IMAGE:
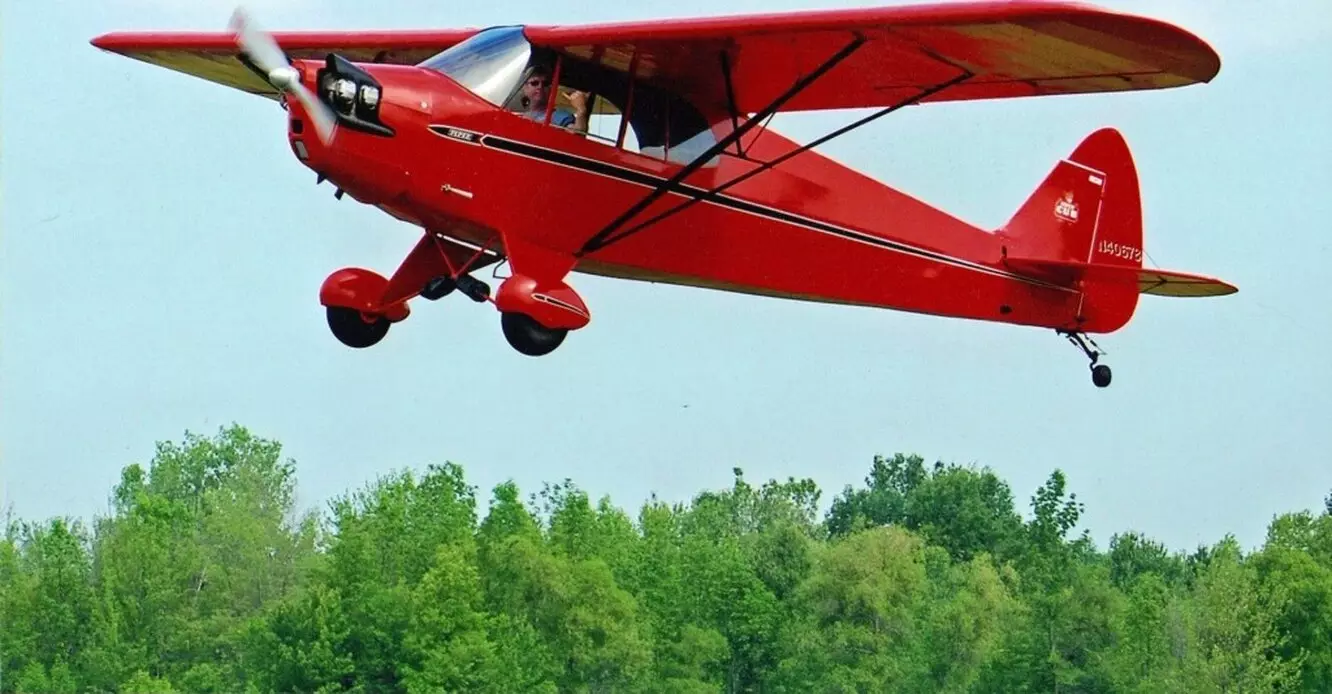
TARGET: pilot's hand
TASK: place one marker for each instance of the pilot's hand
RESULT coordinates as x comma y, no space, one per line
578,100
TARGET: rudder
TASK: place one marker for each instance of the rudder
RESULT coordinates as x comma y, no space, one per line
1087,210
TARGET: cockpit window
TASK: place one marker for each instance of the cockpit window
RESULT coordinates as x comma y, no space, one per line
490,63
496,63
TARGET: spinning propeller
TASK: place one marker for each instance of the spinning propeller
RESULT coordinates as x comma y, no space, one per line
263,51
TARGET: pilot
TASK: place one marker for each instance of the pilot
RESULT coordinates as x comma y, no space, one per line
536,95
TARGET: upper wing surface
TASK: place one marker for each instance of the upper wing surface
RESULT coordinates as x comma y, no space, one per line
1014,48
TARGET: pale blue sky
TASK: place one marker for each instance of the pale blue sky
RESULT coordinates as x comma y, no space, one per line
178,290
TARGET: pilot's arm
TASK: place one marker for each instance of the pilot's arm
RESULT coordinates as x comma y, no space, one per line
578,100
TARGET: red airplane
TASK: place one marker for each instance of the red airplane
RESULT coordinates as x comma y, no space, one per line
653,162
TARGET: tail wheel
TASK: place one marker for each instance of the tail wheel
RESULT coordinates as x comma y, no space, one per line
355,328
528,336
1100,372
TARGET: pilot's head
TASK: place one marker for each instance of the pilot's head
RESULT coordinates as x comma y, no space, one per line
536,90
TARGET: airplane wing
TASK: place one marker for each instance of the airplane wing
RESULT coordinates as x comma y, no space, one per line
213,56
1013,48
1149,280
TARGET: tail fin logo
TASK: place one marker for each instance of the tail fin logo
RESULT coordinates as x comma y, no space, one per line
1066,209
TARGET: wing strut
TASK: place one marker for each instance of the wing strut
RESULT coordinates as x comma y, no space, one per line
599,240
709,194
730,99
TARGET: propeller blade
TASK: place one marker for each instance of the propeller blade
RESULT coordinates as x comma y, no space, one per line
257,45
265,53
325,123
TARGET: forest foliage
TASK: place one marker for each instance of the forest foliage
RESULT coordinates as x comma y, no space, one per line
204,577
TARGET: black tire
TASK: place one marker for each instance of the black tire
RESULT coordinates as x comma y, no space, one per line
1101,375
352,329
528,336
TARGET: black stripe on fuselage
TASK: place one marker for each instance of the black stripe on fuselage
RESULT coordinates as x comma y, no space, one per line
685,190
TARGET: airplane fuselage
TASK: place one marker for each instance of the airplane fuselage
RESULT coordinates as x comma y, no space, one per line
809,229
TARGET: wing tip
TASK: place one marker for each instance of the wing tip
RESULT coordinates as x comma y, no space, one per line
1193,58
103,42
1190,56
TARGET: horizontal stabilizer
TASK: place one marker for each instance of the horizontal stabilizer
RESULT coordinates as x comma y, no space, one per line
1149,280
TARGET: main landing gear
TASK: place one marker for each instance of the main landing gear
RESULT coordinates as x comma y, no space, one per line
535,315
1100,372
522,332
360,328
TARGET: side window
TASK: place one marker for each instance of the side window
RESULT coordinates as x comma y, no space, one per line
607,121
605,93
668,127
605,117
660,125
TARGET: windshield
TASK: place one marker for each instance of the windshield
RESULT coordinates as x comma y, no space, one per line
490,63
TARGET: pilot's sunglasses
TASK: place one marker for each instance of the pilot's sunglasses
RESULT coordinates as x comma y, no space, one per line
537,82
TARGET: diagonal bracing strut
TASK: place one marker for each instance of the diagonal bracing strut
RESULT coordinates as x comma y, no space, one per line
703,195
599,240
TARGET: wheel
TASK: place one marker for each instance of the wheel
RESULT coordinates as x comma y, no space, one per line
356,329
528,336
1101,375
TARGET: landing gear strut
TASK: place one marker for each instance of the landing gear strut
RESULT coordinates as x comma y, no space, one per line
1100,372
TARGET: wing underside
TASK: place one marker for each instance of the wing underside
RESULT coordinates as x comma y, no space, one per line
213,56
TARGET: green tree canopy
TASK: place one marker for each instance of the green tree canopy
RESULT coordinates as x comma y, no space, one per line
204,577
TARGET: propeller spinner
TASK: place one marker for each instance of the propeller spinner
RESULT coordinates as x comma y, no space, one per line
263,51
